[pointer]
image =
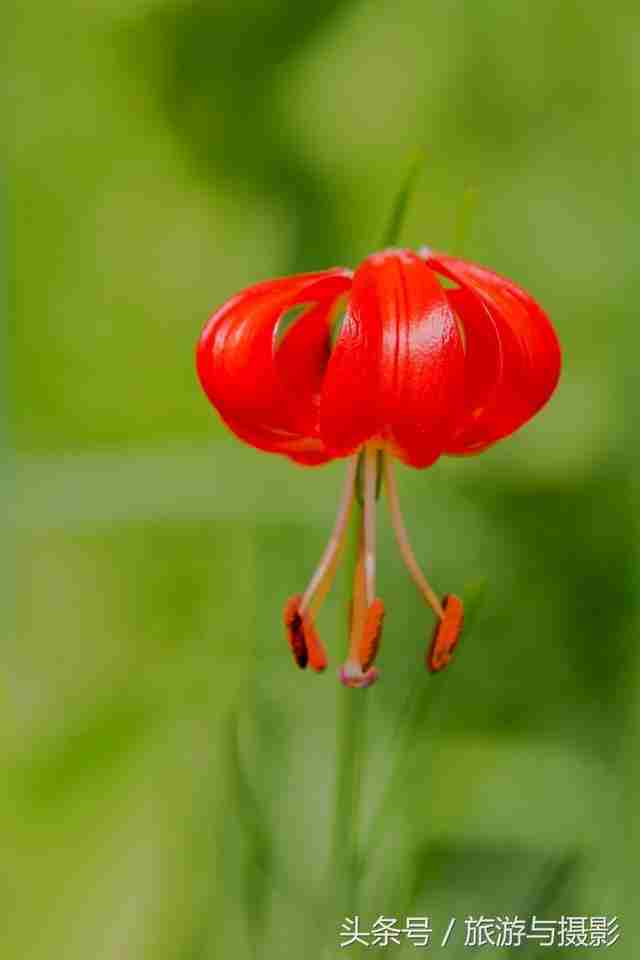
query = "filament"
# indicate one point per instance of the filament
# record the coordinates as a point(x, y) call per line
point(403, 540)
point(358, 603)
point(369, 531)
point(367, 612)
point(323, 574)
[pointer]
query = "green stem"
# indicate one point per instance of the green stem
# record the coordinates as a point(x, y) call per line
point(346, 873)
point(347, 861)
point(422, 703)
point(350, 744)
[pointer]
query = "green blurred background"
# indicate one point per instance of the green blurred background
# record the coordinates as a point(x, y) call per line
point(168, 773)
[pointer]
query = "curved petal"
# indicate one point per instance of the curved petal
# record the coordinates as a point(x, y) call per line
point(530, 352)
point(397, 368)
point(483, 359)
point(482, 348)
point(248, 378)
point(308, 451)
point(303, 354)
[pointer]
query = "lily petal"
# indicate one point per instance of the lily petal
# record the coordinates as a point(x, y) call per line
point(397, 370)
point(483, 364)
point(247, 377)
point(518, 343)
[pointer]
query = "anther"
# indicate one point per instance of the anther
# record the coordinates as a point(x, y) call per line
point(295, 634)
point(446, 634)
point(371, 634)
point(315, 649)
point(303, 638)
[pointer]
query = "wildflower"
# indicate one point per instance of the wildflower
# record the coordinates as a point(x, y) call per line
point(412, 356)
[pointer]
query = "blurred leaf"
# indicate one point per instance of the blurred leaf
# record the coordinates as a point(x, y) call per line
point(466, 213)
point(81, 759)
point(482, 879)
point(556, 896)
point(260, 867)
point(403, 199)
point(473, 598)
point(223, 113)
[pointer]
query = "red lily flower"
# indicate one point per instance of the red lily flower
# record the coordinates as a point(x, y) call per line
point(417, 369)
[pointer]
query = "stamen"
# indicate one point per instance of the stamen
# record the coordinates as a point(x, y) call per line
point(315, 648)
point(370, 641)
point(402, 538)
point(303, 638)
point(358, 608)
point(302, 635)
point(446, 634)
point(370, 481)
point(367, 611)
point(324, 572)
point(295, 633)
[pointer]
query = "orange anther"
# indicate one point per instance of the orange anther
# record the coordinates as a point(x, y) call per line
point(446, 634)
point(295, 632)
point(315, 649)
point(303, 638)
point(371, 634)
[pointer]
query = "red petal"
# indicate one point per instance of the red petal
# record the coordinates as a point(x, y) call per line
point(245, 379)
point(397, 367)
point(509, 333)
point(303, 355)
point(482, 348)
point(484, 358)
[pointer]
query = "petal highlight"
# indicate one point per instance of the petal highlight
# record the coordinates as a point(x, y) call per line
point(397, 368)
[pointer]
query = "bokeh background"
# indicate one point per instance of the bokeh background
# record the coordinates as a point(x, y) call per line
point(168, 774)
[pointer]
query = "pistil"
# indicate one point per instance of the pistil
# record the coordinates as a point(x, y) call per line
point(369, 540)
point(367, 612)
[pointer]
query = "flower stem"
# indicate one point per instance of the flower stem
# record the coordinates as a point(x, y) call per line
point(346, 860)
point(350, 746)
